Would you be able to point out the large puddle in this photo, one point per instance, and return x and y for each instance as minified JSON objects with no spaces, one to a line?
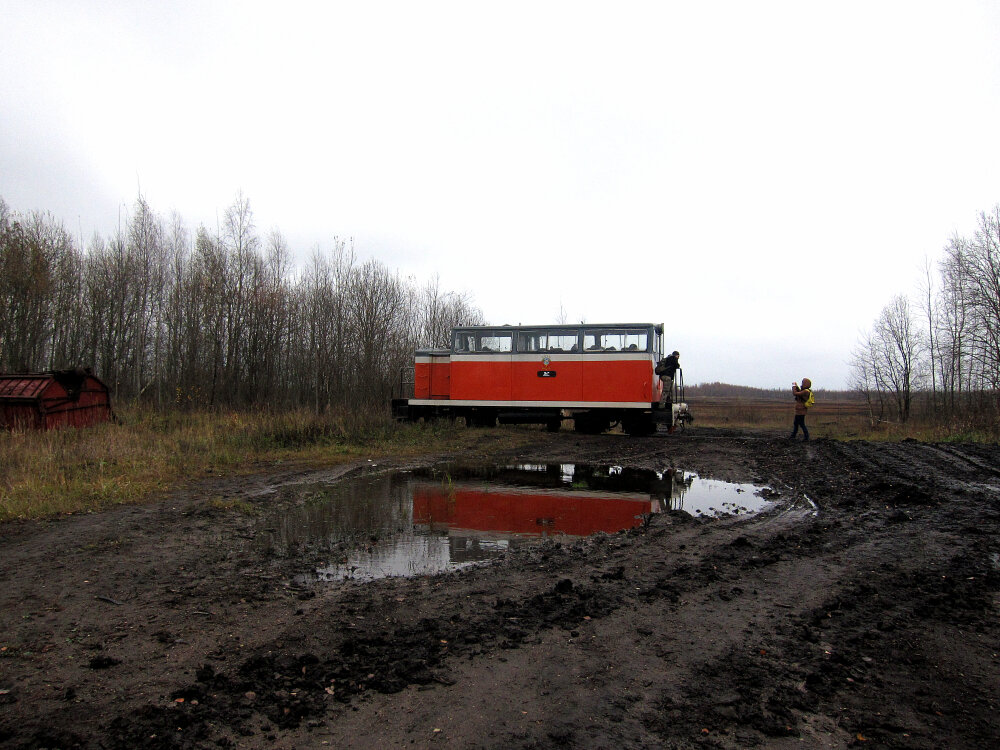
{"x":448,"y":517}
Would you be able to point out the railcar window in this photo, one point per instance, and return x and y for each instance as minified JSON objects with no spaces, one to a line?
{"x":548,"y":341}
{"x":616,"y":340}
{"x":484,"y":341}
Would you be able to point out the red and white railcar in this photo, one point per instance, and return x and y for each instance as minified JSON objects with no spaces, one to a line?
{"x":597,"y":375}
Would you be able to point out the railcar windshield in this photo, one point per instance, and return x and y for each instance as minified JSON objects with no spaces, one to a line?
{"x":616,"y":339}
{"x":486,"y":342}
{"x":548,"y":341}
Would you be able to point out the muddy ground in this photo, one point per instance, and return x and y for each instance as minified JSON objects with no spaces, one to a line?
{"x":863,"y":612}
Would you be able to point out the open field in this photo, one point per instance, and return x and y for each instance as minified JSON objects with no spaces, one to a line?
{"x":860,"y":611}
{"x":842,"y":418}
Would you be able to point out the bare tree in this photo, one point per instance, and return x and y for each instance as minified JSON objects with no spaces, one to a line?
{"x":25,"y":297}
{"x":982,"y":277}
{"x":441,"y":311}
{"x":179,"y":318}
{"x":897,"y":351}
{"x":954,"y":322}
{"x":146,"y":276}
{"x":241,"y":243}
{"x":927,"y":302}
{"x":377,"y":310}
{"x":863,"y":380}
{"x":886,"y":362}
{"x":213,"y":321}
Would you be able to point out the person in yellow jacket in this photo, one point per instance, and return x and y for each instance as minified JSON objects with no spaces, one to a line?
{"x":803,"y":398}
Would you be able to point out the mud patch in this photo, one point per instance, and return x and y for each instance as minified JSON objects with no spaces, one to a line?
{"x":869,"y":620}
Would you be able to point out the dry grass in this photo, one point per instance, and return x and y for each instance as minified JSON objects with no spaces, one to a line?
{"x":70,"y":471}
{"x":836,"y":419}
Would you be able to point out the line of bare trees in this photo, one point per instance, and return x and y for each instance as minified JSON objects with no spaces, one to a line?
{"x":213,"y":319}
{"x":942,"y":352}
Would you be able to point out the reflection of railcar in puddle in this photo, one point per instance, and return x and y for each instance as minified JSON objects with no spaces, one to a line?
{"x":596,"y":375}
{"x":452,"y":515}
{"x":516,"y":511}
{"x":561,"y":500}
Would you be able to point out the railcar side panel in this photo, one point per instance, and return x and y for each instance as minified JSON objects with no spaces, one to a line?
{"x":481,"y":378}
{"x":515,"y":378}
{"x":618,"y":380}
{"x":559,"y":380}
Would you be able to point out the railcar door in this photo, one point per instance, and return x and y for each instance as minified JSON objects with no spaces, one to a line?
{"x":618,"y":366}
{"x":481,"y":365}
{"x":547,"y":367}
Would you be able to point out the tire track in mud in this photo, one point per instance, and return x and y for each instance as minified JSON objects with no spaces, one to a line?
{"x":836,"y":658}
{"x":961,"y":459}
{"x":839,"y":658}
{"x":915,"y":462}
{"x":280,"y":688}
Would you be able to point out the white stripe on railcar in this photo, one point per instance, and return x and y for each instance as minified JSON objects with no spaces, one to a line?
{"x":543,"y":404}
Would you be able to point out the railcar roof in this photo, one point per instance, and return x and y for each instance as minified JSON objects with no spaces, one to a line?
{"x":560,"y":326}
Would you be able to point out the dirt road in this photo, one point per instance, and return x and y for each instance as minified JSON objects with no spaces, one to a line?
{"x":862,"y":612}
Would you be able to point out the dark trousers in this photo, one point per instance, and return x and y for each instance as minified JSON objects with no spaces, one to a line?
{"x":800,"y":421}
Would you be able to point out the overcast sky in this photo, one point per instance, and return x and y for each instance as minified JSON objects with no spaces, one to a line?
{"x":762,"y":177}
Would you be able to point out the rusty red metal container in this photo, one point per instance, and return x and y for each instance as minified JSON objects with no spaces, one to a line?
{"x":61,"y":398}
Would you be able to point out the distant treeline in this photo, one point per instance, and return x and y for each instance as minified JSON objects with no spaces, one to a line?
{"x":727,"y":390}
{"x":213,"y":318}
{"x":940,"y":353}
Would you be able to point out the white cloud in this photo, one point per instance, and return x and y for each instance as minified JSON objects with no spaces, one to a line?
{"x":764,"y":177}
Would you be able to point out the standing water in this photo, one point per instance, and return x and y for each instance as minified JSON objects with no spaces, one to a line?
{"x":447,"y":517}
